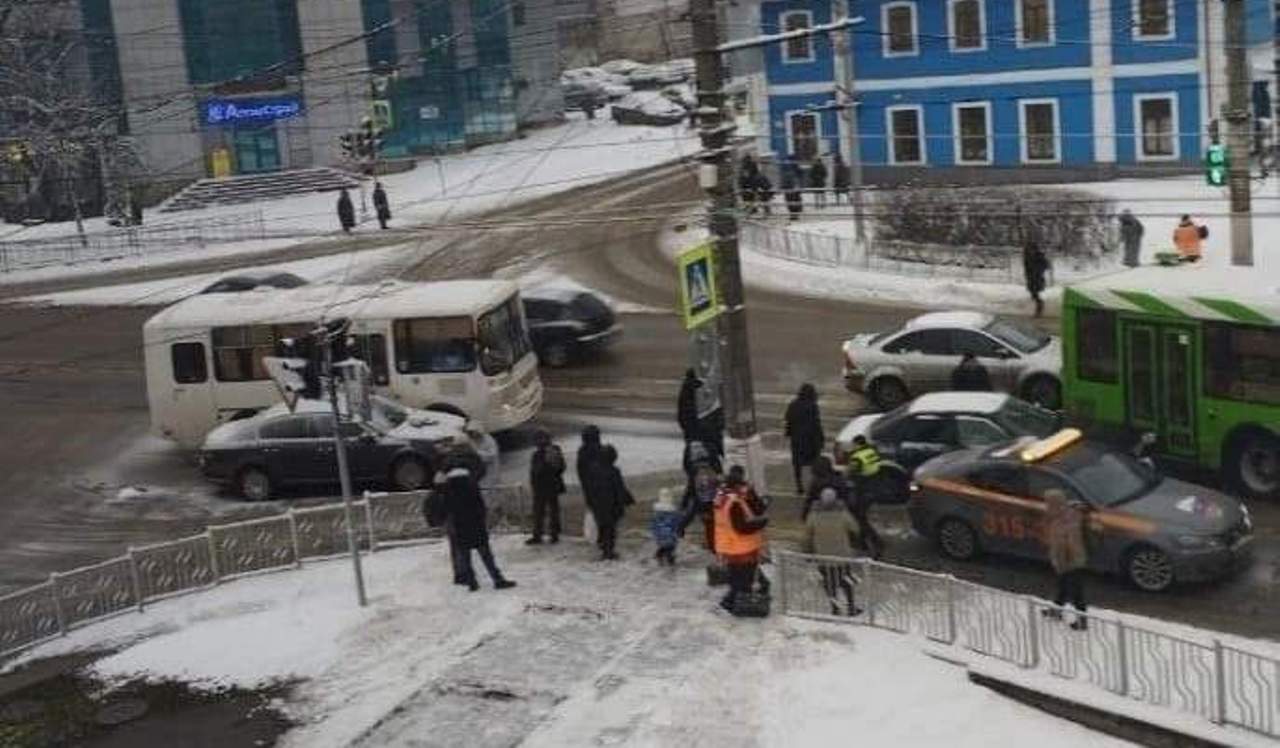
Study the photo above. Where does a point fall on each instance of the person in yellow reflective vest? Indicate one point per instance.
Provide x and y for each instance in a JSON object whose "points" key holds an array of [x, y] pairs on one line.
{"points": [[864, 468], [739, 532]]}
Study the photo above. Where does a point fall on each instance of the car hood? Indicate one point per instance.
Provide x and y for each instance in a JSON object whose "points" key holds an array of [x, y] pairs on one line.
{"points": [[860, 425], [431, 427], [860, 340], [1188, 506], [1051, 354]]}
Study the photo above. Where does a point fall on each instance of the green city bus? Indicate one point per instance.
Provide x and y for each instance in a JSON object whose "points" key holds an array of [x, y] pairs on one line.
{"points": [[1190, 354]]}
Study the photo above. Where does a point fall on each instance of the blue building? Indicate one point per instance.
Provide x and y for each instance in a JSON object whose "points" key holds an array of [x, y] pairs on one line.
{"points": [[1093, 85]]}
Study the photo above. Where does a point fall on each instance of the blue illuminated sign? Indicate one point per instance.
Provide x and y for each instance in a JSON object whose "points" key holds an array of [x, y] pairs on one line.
{"points": [[234, 111]]}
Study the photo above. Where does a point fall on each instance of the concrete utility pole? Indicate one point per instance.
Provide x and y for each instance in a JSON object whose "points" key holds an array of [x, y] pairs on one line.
{"points": [[737, 394], [849, 108], [344, 471], [1236, 113]]}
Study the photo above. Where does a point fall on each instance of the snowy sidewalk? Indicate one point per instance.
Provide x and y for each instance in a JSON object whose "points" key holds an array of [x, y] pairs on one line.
{"points": [[582, 652]]}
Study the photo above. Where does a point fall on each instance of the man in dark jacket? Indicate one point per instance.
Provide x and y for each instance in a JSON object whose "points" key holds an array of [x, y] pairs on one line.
{"points": [[346, 211], [791, 191], [747, 183], [546, 480], [607, 499], [818, 182], [764, 192], [841, 179], [970, 375], [1131, 231], [468, 516], [588, 453], [804, 430], [380, 204], [1035, 265], [687, 406]]}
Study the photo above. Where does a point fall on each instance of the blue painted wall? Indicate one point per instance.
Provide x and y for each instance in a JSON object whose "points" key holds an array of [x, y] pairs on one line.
{"points": [[1188, 89], [1127, 50], [778, 108], [822, 68]]}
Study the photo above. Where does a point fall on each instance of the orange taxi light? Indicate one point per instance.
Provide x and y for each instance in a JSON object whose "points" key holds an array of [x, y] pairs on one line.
{"points": [[1051, 445]]}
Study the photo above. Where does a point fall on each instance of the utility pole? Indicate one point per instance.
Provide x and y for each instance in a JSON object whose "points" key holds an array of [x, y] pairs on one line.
{"points": [[351, 117], [844, 62], [1236, 113], [716, 175], [340, 446]]}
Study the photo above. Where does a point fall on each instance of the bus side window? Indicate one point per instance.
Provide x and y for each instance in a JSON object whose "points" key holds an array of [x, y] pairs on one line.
{"points": [[189, 365], [1097, 358], [1242, 362], [372, 349]]}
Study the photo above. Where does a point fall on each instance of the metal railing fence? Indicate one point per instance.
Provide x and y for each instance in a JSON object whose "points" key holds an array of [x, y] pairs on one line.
{"points": [[131, 241], [222, 552], [1220, 683]]}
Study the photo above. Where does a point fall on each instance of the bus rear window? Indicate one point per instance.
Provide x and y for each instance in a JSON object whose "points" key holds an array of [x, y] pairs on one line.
{"points": [[1096, 355], [1242, 363], [434, 345]]}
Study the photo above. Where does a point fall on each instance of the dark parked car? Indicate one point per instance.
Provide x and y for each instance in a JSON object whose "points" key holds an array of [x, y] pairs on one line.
{"points": [[398, 447], [250, 281], [566, 323]]}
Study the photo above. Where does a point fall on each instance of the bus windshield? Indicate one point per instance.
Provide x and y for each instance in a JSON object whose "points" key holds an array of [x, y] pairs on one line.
{"points": [[1024, 338], [502, 337]]}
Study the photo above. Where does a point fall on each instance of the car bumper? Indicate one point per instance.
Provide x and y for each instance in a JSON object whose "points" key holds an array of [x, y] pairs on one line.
{"points": [[1214, 564], [215, 472], [601, 339], [855, 380]]}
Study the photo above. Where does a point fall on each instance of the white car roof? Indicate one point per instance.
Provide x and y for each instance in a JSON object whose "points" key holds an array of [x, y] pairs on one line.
{"points": [[970, 320], [392, 300], [958, 402]]}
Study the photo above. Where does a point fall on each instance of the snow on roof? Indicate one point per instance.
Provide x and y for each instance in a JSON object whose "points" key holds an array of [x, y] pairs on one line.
{"points": [[1251, 287], [958, 402], [949, 319], [395, 300]]}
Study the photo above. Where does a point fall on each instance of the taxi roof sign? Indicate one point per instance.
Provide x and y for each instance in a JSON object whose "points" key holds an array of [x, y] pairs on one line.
{"points": [[1051, 445]]}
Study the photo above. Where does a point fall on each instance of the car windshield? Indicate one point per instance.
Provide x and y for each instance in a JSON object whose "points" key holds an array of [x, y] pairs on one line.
{"points": [[1024, 338], [1107, 478], [1024, 419]]}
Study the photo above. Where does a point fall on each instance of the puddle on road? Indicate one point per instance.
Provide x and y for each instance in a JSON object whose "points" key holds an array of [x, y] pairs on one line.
{"points": [[56, 702]]}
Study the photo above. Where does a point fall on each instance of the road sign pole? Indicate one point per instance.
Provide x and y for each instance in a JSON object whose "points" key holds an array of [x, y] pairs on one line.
{"points": [[344, 472], [1236, 113]]}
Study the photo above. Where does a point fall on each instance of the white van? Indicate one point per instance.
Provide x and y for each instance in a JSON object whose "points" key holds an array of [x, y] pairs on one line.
{"points": [[459, 346]]}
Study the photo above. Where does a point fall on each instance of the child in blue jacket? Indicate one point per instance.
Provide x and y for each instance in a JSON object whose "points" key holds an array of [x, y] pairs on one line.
{"points": [[665, 526]]}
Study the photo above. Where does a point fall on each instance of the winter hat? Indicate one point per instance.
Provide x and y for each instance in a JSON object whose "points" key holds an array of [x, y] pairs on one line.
{"points": [[666, 500], [828, 497]]}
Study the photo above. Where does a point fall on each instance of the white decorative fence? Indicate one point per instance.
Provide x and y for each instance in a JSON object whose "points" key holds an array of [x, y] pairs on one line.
{"points": [[1220, 683], [223, 552]]}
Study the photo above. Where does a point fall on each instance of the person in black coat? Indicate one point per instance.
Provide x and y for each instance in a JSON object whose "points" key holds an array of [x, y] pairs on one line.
{"points": [[380, 204], [1035, 265], [818, 183], [687, 406], [607, 498], [588, 453], [804, 430], [841, 179], [468, 517], [764, 192], [970, 375], [346, 211], [747, 183], [791, 192], [546, 480]]}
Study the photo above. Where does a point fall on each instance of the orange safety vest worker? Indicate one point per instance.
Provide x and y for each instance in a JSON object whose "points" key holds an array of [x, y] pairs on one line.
{"points": [[1187, 239], [730, 542]]}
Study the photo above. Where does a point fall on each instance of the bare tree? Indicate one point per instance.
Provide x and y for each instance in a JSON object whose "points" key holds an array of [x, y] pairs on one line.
{"points": [[59, 126]]}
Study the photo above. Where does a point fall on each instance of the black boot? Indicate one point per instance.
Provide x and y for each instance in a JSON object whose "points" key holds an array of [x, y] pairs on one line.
{"points": [[535, 540], [503, 584]]}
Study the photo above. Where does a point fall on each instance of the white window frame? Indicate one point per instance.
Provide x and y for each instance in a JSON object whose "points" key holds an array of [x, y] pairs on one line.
{"points": [[1050, 6], [817, 130], [1024, 138], [915, 28], [1137, 23], [1172, 98], [951, 26], [787, 59], [958, 138], [892, 138]]}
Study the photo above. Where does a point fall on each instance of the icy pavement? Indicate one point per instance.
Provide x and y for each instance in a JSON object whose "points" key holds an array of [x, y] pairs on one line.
{"points": [[581, 653]]}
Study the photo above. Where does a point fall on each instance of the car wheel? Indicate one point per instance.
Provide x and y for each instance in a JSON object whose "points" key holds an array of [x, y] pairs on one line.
{"points": [[254, 484], [888, 393], [957, 539], [410, 474], [1043, 391], [1149, 569], [1253, 463], [556, 355]]}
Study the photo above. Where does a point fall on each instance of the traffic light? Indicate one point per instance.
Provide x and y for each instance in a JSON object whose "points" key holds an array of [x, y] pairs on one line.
{"points": [[347, 141], [1216, 165], [369, 138]]}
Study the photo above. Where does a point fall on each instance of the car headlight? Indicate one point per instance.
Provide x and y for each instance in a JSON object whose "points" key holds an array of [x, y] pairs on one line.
{"points": [[1199, 542]]}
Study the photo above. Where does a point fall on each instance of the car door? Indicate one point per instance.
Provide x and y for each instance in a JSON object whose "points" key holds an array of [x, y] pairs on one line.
{"points": [[923, 437], [978, 431], [1001, 362], [289, 449], [923, 357], [1006, 510], [364, 460]]}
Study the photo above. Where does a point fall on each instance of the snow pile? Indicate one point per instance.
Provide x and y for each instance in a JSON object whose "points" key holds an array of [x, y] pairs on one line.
{"points": [[581, 653]]}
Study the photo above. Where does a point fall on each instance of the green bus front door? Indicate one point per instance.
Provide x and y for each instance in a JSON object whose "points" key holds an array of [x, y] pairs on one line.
{"points": [[1160, 384]]}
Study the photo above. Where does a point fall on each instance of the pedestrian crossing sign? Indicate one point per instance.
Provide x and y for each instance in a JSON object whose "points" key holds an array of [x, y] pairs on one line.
{"points": [[699, 302]]}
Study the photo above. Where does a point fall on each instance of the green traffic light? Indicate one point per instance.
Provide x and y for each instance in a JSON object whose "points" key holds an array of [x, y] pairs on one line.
{"points": [[1216, 164]]}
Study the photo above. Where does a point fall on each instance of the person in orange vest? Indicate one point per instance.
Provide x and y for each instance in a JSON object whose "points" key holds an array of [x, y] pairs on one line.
{"points": [[1187, 238], [739, 532]]}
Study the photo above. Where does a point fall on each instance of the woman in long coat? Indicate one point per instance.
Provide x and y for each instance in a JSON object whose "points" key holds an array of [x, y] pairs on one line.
{"points": [[1068, 554]]}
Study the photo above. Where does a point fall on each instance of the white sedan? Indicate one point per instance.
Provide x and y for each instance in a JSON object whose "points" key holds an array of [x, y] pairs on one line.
{"points": [[892, 367]]}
